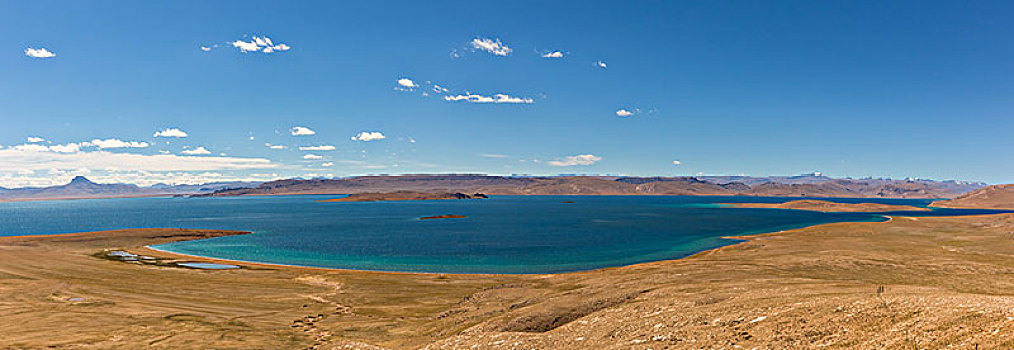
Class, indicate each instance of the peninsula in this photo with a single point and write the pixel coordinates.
(826, 206)
(403, 196)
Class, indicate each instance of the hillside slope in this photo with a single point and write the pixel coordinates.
(992, 197)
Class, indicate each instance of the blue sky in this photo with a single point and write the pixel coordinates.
(849, 88)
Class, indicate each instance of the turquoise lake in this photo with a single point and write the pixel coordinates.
(503, 234)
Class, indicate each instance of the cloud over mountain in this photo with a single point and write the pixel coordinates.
(581, 159)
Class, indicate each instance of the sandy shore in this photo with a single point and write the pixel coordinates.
(943, 282)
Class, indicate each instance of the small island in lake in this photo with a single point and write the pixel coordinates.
(403, 196)
(825, 206)
(446, 216)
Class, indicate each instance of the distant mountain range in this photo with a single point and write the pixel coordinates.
(792, 186)
(80, 188)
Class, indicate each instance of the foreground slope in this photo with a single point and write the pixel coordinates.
(911, 283)
(992, 197)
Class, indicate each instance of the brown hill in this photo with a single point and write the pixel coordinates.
(992, 197)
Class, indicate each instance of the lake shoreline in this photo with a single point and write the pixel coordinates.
(148, 249)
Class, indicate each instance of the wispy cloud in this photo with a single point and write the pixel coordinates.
(601, 64)
(552, 54)
(312, 157)
(582, 159)
(171, 132)
(259, 44)
(491, 155)
(369, 136)
(301, 131)
(39, 53)
(317, 148)
(268, 145)
(34, 139)
(327, 164)
(196, 151)
(497, 98)
(493, 46)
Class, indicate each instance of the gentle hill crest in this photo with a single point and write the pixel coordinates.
(992, 197)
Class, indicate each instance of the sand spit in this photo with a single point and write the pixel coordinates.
(826, 206)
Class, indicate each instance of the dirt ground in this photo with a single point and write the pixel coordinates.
(911, 283)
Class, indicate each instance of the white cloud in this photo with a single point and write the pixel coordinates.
(196, 151)
(259, 44)
(205, 48)
(675, 162)
(552, 54)
(623, 113)
(492, 46)
(368, 136)
(327, 164)
(498, 98)
(31, 148)
(268, 145)
(16, 159)
(582, 159)
(407, 83)
(39, 53)
(68, 148)
(600, 64)
(171, 132)
(312, 157)
(34, 139)
(115, 143)
(317, 148)
(301, 131)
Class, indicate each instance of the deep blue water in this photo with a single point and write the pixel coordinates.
(504, 234)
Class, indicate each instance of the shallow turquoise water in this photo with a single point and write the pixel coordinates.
(504, 234)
